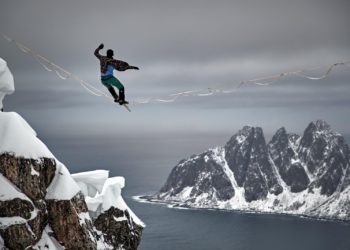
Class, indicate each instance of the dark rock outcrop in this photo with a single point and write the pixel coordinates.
(16, 207)
(325, 154)
(202, 173)
(17, 236)
(68, 228)
(118, 229)
(282, 151)
(31, 176)
(247, 156)
(69, 220)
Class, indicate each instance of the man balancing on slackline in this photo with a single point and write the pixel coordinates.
(108, 64)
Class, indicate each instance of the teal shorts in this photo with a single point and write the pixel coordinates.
(109, 81)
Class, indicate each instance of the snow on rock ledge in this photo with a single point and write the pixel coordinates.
(62, 187)
(101, 192)
(48, 242)
(41, 205)
(7, 85)
(18, 137)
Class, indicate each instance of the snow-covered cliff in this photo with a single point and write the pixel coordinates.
(7, 85)
(304, 175)
(43, 206)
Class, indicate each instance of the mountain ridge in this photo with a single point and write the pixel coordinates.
(290, 174)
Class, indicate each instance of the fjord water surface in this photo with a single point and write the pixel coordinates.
(197, 229)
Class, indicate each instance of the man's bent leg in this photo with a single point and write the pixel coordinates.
(112, 81)
(121, 88)
(116, 83)
(122, 95)
(113, 93)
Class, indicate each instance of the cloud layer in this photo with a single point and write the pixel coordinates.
(178, 45)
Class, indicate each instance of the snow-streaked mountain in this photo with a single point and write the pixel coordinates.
(305, 175)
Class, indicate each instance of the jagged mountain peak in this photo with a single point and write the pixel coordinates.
(319, 145)
(281, 131)
(248, 129)
(291, 174)
(247, 157)
(325, 155)
(244, 132)
(321, 125)
(280, 135)
(246, 135)
(282, 150)
(318, 127)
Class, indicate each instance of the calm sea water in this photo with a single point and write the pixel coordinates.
(145, 164)
(169, 228)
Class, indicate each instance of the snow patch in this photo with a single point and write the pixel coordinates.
(8, 221)
(9, 191)
(91, 182)
(83, 217)
(122, 218)
(277, 174)
(62, 187)
(34, 172)
(18, 137)
(185, 193)
(238, 199)
(100, 199)
(240, 138)
(48, 242)
(101, 243)
(7, 85)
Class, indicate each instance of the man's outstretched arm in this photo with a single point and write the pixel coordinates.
(122, 66)
(133, 67)
(97, 51)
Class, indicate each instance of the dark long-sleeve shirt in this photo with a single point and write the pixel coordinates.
(117, 64)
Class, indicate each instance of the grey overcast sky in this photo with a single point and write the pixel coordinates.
(178, 45)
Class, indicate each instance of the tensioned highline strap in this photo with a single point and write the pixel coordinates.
(263, 81)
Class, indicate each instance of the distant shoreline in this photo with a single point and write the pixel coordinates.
(179, 205)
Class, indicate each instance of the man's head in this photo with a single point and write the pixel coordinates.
(110, 53)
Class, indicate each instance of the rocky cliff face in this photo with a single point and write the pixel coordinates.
(325, 155)
(247, 157)
(306, 175)
(118, 228)
(43, 207)
(202, 173)
(283, 152)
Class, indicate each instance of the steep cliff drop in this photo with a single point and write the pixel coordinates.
(43, 206)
